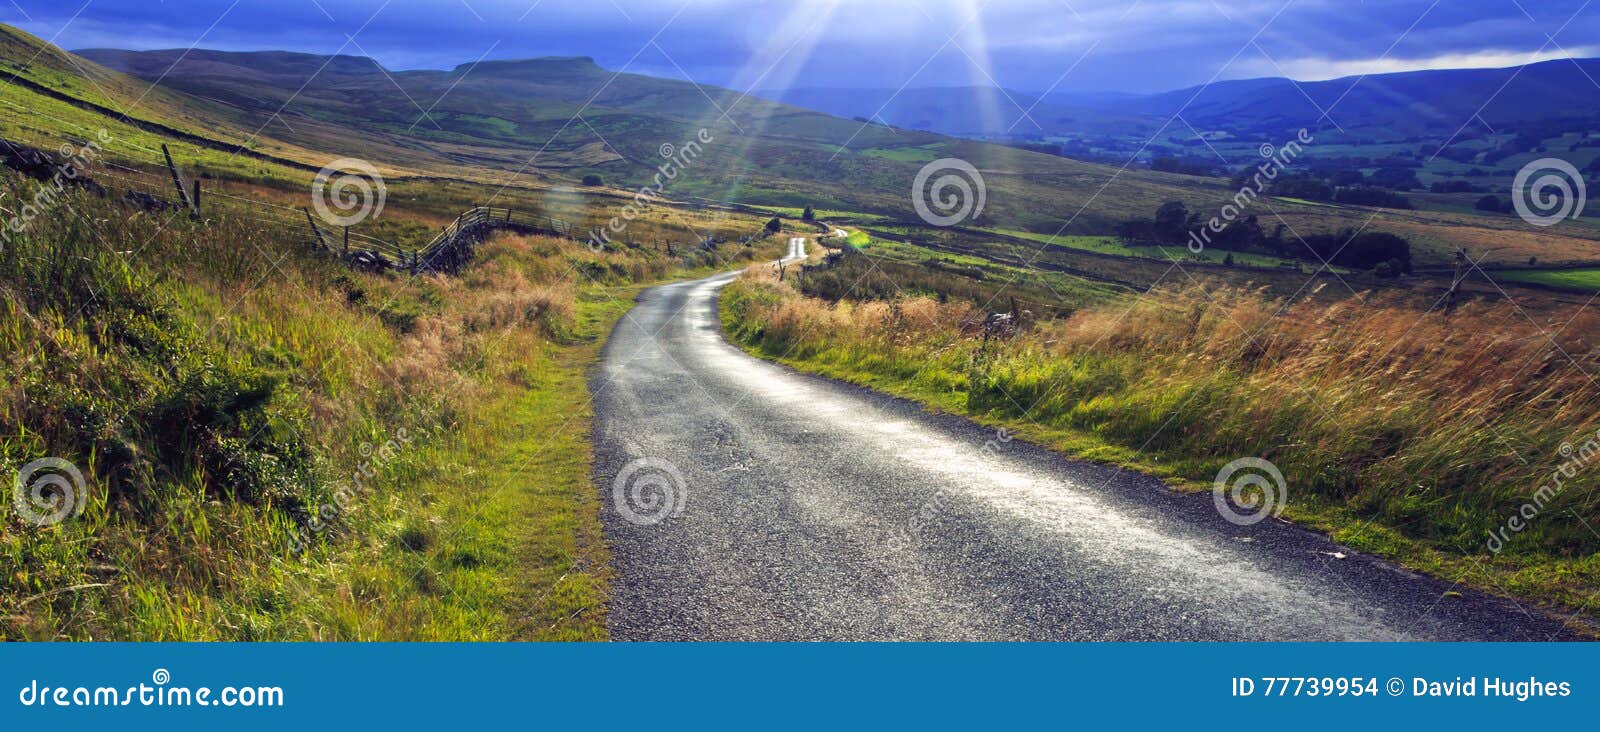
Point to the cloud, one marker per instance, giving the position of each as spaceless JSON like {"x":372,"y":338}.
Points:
{"x":1127,"y":45}
{"x":1321,"y":69}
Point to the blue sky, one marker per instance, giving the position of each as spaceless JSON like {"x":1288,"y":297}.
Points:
{"x":1032,"y":45}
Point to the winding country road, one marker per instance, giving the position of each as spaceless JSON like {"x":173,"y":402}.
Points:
{"x":745,"y":501}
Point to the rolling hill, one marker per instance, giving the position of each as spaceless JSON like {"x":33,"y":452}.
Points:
{"x":972,"y":111}
{"x":543,"y":124}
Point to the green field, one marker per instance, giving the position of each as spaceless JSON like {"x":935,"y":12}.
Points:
{"x":1574,"y":280}
{"x":1110,"y":245}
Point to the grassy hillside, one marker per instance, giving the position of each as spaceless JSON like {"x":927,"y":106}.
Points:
{"x":555,"y":120}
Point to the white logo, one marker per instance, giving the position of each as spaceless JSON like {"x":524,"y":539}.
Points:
{"x":348,"y":191}
{"x":1556,"y":195}
{"x":649,"y":491}
{"x":1229,"y":491}
{"x":48,"y":491}
{"x":957,"y":194}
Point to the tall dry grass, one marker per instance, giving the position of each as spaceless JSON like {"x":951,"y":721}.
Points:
{"x":1437,"y":425}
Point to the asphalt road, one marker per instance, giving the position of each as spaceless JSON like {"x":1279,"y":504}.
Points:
{"x":745,"y":501}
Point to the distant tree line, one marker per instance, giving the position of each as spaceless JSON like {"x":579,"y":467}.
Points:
{"x":1173,"y":225}
{"x":1183,"y":166}
{"x":1348,"y":187}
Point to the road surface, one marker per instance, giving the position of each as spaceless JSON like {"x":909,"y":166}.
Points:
{"x":745,"y":501}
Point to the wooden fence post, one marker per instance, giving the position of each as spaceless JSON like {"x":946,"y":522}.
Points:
{"x":347,"y":241}
{"x":196,"y":198}
{"x":177,"y":181}
{"x":314,"y":230}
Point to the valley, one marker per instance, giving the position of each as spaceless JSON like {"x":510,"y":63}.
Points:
{"x":196,"y":325}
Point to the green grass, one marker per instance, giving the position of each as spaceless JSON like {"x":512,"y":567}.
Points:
{"x":927,"y":271}
{"x":1305,"y":201}
{"x":1574,"y":280}
{"x":1111,"y":245}
{"x":918,"y":154}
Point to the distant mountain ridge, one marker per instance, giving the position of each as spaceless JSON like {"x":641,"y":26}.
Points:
{"x":1407,"y":103}
{"x":255,"y":63}
{"x":968,"y":111}
{"x":1385,"y":106}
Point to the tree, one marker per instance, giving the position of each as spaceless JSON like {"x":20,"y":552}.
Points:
{"x":1311,"y":189}
{"x":1400,"y":179}
{"x":1171,"y":222}
{"x":1362,"y":250}
{"x":1348,"y":178}
{"x":593,"y":179}
{"x":1490,"y":203}
{"x":1138,"y":231}
{"x":808,"y":215}
{"x":774,"y":225}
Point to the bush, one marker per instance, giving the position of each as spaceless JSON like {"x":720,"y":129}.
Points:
{"x":1361,"y":251}
{"x":1488,"y":203}
{"x":593,"y":179}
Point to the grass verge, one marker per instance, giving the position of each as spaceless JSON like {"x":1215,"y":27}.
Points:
{"x":1401,"y":434}
{"x":269,"y":446}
